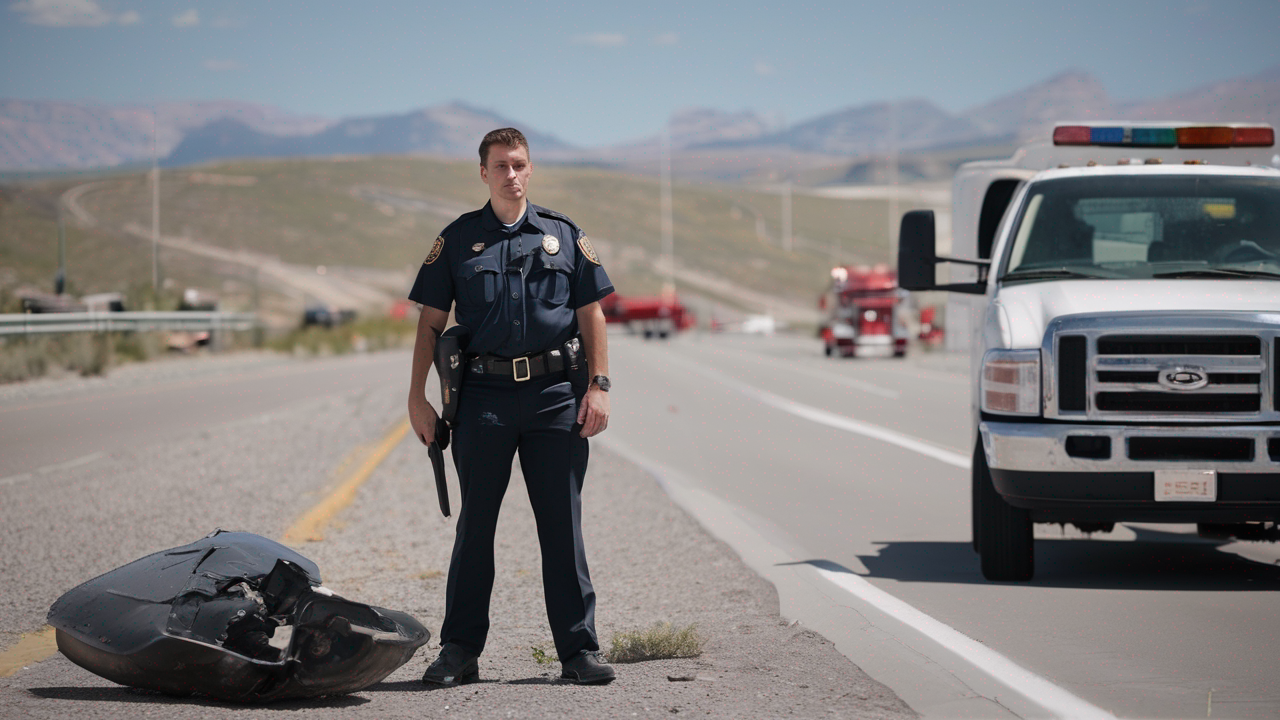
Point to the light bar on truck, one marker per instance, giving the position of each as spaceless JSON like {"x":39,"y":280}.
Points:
{"x":1187,"y":136}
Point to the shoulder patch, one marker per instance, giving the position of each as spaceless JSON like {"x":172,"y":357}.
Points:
{"x":585,"y":246}
{"x":435,"y":251}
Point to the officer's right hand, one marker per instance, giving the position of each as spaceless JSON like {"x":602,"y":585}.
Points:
{"x":423,"y":419}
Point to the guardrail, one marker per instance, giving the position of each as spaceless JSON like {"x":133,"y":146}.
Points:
{"x":40,"y":323}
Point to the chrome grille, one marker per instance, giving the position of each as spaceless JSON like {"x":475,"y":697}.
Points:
{"x":1159,"y":367}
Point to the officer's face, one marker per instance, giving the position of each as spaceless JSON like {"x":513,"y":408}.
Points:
{"x":507,"y":171}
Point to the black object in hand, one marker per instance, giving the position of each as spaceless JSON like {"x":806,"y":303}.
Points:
{"x":436,"y":450}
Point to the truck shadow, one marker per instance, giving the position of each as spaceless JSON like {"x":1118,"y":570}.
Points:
{"x":1154,"y":561}
{"x":150,"y":697}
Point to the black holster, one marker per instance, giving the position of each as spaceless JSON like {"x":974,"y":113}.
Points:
{"x":575,"y":365}
{"x":451,"y":364}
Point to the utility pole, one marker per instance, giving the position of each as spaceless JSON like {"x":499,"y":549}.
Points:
{"x":668,"y":236}
{"x":893,"y":180}
{"x":155,"y":208}
{"x":60,"y":279}
{"x":786,"y":216}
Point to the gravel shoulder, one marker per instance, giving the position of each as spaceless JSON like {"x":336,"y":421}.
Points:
{"x":650,"y":562}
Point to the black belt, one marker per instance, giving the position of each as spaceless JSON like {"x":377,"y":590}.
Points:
{"x":518,"y":369}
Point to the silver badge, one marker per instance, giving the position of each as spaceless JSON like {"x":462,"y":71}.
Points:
{"x":550,"y":244}
{"x":477,"y":247}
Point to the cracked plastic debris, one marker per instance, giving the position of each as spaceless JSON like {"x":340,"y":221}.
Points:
{"x":234,"y":616}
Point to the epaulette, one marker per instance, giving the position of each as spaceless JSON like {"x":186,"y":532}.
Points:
{"x":552,"y":214}
{"x":461,"y":218}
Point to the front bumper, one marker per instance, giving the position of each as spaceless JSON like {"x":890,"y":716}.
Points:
{"x":1032,"y":469}
{"x":1042,"y":447}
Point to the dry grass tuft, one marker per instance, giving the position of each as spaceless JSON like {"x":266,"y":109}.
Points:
{"x":663,"y":641}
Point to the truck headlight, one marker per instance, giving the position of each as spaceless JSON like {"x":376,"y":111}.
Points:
{"x":1011,"y":382}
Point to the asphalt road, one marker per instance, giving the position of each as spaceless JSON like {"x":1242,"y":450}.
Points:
{"x":1145,"y":621}
{"x":176,"y":449}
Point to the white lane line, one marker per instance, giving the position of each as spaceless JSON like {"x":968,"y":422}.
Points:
{"x":830,"y":419}
{"x":866,"y":387}
{"x":47,"y":469}
{"x":1053,"y":698}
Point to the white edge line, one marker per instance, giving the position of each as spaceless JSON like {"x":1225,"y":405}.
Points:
{"x":1052,"y":697}
{"x":15,"y":479}
{"x":830,"y":419}
{"x":71,"y":463}
{"x":23,"y":477}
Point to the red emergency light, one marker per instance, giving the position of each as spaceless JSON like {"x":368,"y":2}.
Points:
{"x":1254,"y":137}
{"x":1205,"y":137}
{"x":1072,"y":135}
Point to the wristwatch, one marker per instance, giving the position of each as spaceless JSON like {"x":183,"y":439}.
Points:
{"x":602,"y":382}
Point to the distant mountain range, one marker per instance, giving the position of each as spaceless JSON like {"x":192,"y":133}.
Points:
{"x":450,"y":130}
{"x":40,"y":135}
{"x":46,"y":135}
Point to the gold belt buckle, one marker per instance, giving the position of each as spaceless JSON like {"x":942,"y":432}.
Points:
{"x":515,"y":369}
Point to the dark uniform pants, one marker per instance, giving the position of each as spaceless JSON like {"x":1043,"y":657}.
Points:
{"x":498,"y":417}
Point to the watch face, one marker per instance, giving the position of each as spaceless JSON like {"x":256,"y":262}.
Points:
{"x":602,"y":381}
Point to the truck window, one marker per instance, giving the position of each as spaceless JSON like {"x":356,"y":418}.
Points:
{"x":996,"y":201}
{"x":1138,"y":226}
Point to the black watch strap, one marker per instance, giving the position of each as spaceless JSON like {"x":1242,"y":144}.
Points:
{"x":602,"y":382}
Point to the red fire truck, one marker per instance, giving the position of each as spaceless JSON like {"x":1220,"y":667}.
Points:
{"x":862,"y":319}
{"x":651,"y":316}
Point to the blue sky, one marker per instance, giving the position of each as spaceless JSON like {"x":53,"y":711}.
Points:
{"x":595,"y":73}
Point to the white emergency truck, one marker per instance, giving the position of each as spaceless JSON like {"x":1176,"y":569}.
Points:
{"x":1121,"y":291}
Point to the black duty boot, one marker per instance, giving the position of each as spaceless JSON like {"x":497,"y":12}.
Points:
{"x":455,"y":666}
{"x":587,"y":668}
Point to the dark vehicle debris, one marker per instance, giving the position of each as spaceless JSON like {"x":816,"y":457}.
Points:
{"x":234,"y":616}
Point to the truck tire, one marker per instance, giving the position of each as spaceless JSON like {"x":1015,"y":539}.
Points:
{"x":1002,"y":532}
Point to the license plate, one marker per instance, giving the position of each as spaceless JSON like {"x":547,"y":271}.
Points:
{"x":1186,"y":485}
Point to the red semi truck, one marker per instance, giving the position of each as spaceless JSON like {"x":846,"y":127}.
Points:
{"x":862,"y":313}
{"x":651,"y":316}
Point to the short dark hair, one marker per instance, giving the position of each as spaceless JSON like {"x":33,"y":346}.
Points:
{"x":510,"y":137}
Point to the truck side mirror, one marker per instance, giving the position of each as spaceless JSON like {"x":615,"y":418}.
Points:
{"x":917,"y":253}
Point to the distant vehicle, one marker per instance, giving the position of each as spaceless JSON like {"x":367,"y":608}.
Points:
{"x":104,"y":302}
{"x":648,"y":316}
{"x":36,"y":301}
{"x":327,"y":316}
{"x":931,"y":332}
{"x":862,"y":319}
{"x":759,"y":325}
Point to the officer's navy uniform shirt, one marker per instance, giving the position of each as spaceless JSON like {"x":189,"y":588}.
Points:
{"x":514,"y":296}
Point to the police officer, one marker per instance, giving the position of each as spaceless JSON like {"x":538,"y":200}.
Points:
{"x":525,"y":281}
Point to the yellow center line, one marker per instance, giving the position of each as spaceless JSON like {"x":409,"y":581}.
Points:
{"x":32,"y":648}
{"x":41,"y":645}
{"x":310,"y":527}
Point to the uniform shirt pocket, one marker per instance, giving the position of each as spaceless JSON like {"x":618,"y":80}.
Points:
{"x":549,"y":279}
{"x":478,"y":279}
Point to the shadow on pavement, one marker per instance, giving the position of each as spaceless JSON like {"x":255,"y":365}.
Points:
{"x":134,"y":695}
{"x":1154,"y":561}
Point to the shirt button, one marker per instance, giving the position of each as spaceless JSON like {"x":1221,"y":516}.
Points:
{"x":479,"y":268}
{"x":517,"y":322}
{"x":515,"y":296}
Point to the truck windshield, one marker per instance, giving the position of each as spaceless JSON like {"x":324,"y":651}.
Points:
{"x":1144,"y":226}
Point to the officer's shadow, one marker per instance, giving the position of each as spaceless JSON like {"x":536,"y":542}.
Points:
{"x":118,"y":694}
{"x":1155,"y":560}
{"x":419,"y":686}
